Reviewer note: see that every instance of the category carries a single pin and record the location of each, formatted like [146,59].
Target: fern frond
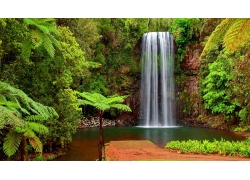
[43,29]
[28,105]
[19,106]
[237,35]
[48,46]
[28,133]
[122,107]
[35,118]
[84,102]
[116,99]
[9,117]
[91,97]
[53,30]
[48,20]
[39,128]
[29,21]
[37,38]
[101,106]
[11,143]
[55,42]
[103,103]
[36,143]
[216,38]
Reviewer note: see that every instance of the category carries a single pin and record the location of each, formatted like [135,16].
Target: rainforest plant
[222,147]
[103,104]
[42,33]
[225,70]
[23,119]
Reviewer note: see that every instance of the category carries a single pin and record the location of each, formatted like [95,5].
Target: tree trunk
[23,148]
[101,142]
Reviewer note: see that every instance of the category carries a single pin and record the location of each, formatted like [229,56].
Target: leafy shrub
[222,147]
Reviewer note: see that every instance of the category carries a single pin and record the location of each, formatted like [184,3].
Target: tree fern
[41,35]
[25,103]
[102,103]
[21,116]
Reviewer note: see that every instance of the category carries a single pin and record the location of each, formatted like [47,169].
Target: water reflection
[85,142]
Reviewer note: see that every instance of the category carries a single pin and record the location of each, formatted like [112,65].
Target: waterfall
[157,80]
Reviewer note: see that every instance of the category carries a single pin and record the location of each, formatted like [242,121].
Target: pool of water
[84,146]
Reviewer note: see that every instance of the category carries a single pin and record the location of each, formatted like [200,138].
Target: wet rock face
[190,64]
[187,95]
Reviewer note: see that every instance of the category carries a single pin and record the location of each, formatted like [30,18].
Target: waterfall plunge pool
[84,146]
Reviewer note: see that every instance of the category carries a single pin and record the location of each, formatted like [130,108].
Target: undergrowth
[222,147]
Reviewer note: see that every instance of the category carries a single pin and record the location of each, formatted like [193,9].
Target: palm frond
[11,143]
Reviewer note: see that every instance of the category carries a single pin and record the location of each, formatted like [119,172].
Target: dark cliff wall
[187,97]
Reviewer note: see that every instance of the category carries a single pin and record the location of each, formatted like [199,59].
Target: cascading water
[157,80]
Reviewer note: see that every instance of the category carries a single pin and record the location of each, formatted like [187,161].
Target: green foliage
[52,80]
[69,120]
[215,86]
[41,34]
[241,129]
[232,32]
[12,142]
[101,102]
[17,112]
[185,31]
[234,148]
[16,101]
[224,74]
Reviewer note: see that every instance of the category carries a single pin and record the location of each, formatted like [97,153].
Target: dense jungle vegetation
[44,62]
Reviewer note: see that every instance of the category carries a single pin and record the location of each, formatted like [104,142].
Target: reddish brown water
[85,142]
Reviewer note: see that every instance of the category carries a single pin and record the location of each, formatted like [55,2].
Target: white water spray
[157,80]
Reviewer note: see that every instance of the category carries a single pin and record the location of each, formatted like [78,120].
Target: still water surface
[85,142]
